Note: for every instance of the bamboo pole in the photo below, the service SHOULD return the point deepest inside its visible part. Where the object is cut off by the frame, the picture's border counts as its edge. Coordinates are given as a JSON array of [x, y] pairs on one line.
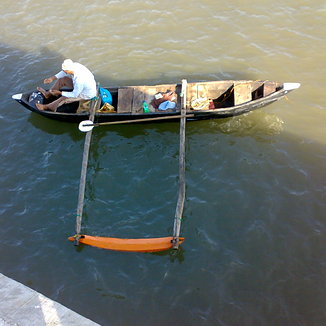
[[182, 178], [191, 115], [82, 182]]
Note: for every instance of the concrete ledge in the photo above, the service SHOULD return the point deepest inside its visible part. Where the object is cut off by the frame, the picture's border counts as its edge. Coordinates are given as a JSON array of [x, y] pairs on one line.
[[22, 306]]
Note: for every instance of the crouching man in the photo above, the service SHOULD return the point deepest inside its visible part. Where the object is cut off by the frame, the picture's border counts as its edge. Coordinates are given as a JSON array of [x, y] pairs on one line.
[[75, 76]]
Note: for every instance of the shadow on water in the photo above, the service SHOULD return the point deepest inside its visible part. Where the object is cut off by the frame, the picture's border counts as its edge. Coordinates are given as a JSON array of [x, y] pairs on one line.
[[56, 128], [21, 70]]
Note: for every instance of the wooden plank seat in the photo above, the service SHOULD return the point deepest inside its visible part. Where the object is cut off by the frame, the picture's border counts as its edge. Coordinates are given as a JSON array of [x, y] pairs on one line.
[[269, 88], [217, 91], [242, 93], [263, 88], [125, 97]]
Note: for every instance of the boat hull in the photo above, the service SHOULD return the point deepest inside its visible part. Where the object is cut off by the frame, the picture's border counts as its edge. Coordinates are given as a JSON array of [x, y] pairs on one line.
[[279, 92]]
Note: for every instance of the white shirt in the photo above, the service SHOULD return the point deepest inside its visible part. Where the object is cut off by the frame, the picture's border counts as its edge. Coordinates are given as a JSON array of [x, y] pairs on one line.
[[83, 81]]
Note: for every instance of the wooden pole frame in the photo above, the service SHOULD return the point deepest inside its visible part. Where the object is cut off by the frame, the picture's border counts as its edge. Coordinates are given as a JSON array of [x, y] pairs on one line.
[[182, 168], [82, 183], [137, 245]]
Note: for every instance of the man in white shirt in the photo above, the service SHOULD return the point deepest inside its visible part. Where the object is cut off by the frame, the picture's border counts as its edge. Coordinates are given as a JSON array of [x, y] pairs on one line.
[[74, 76]]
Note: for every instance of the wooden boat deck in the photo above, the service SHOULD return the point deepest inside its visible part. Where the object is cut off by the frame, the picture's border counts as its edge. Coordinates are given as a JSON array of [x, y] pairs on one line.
[[129, 99]]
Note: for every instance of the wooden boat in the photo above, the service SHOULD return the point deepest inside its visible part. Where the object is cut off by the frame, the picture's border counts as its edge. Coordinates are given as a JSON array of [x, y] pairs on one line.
[[204, 100]]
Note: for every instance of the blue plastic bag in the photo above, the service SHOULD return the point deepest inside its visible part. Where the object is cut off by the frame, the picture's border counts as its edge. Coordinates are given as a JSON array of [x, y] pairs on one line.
[[106, 96]]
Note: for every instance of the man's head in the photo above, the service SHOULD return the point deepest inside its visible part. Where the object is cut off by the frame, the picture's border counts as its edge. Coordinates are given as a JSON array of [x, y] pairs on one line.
[[68, 66]]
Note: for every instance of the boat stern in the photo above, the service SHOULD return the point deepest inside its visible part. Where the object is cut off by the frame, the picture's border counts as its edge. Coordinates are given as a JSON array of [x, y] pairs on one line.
[[17, 97]]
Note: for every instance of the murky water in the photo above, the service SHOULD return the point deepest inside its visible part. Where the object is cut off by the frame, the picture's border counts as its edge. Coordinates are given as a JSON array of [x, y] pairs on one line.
[[254, 213]]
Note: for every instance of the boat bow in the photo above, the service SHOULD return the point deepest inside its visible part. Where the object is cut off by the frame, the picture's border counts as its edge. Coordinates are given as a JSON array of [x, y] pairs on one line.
[[291, 86]]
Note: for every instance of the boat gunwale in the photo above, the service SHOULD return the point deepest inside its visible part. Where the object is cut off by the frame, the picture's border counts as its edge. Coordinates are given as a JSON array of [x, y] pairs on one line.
[[189, 111]]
